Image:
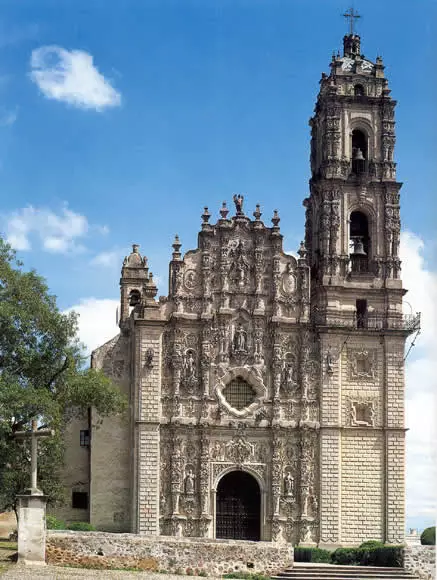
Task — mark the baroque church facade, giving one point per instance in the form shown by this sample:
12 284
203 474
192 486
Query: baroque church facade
266 391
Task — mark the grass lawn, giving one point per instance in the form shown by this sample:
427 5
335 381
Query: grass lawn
7 549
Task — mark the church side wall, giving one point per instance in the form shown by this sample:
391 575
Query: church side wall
330 451
75 475
362 482
110 486
395 440
147 433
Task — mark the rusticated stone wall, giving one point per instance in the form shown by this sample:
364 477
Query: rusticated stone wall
213 557
420 560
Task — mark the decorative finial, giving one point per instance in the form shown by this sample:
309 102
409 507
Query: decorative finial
238 200
206 215
302 251
224 211
275 219
351 15
257 213
135 248
176 247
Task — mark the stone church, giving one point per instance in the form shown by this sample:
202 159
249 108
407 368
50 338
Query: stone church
266 390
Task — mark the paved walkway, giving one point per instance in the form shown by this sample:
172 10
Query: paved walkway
57 573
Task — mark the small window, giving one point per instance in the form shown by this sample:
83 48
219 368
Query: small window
361 313
239 394
134 297
359 90
84 438
79 500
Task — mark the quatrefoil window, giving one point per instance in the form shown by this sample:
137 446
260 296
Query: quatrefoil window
241 391
239 394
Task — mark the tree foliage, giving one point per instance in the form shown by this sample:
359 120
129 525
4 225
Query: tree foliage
42 376
427 537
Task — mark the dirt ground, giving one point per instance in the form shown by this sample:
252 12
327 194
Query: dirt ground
8 524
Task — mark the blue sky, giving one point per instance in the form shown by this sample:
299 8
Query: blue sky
173 105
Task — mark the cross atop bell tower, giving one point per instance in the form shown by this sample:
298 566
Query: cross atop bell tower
351 41
351 16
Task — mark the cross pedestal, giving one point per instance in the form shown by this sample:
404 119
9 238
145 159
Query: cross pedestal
32 507
32 529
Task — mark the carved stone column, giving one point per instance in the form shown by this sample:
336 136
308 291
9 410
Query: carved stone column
176 474
276 472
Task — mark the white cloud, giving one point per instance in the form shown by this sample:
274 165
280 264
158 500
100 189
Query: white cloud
71 77
97 321
8 118
421 383
58 233
107 259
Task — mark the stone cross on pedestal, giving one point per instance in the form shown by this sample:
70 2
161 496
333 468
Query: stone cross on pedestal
32 506
33 436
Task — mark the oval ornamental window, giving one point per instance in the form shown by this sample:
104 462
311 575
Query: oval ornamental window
239 394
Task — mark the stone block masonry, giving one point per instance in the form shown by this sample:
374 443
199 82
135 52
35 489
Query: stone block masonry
420 560
183 555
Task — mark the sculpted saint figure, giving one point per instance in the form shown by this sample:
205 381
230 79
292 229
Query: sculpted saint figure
240 339
189 482
238 200
190 370
288 484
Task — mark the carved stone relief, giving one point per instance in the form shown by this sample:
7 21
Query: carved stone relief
362 364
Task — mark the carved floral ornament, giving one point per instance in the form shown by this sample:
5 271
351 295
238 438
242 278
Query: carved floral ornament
253 380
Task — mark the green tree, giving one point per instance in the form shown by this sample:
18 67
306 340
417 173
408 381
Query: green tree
43 376
427 537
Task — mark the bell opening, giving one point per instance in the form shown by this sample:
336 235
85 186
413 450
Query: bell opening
359 152
359 242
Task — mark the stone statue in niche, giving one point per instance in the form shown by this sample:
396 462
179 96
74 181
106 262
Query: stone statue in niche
305 498
189 370
241 266
306 534
240 339
288 485
289 382
189 482
288 280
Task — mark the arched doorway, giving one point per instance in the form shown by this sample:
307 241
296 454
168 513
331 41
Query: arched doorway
238 508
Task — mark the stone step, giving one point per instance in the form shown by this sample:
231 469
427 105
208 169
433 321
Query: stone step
308 571
334 576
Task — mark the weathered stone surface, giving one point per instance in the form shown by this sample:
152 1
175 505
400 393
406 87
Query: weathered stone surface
421 561
31 529
188 556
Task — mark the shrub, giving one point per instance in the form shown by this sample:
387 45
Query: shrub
81 527
345 556
53 523
371 544
312 555
383 556
427 537
246 575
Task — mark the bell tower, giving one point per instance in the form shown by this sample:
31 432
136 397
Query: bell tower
352 234
352 214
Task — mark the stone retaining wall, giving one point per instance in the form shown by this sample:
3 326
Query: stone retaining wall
182 555
421 561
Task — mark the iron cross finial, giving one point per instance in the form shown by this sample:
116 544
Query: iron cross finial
351 15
